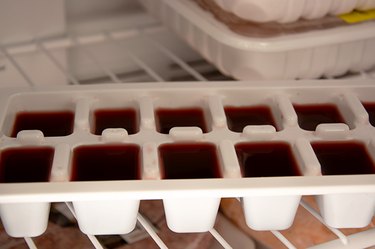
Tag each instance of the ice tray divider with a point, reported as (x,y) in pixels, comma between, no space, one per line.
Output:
(230,164)
(215,105)
(186,134)
(114,135)
(332,131)
(146,109)
(288,114)
(60,165)
(150,158)
(306,158)
(82,114)
(356,109)
(30,137)
(259,132)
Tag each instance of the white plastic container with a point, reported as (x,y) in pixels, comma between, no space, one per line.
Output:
(330,52)
(110,206)
(285,11)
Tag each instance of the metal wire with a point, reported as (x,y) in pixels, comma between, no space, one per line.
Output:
(155,76)
(17,66)
(283,240)
(30,243)
(179,61)
(363,239)
(220,239)
(93,58)
(151,232)
(93,239)
(337,232)
(58,65)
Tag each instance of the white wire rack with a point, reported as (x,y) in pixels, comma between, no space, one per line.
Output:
(179,68)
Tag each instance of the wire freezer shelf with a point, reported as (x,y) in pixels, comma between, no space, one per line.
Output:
(12,63)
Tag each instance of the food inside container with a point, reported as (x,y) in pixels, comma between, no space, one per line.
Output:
(284,11)
(270,29)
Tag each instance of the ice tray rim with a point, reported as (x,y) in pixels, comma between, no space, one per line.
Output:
(10,91)
(184,188)
(156,189)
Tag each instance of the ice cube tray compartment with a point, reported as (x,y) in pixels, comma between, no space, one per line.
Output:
(345,158)
(190,161)
(15,169)
(263,110)
(268,159)
(25,164)
(98,201)
(108,162)
(33,112)
(113,111)
(178,111)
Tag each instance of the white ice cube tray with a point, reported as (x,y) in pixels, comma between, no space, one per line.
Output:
(191,205)
(307,55)
(285,11)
